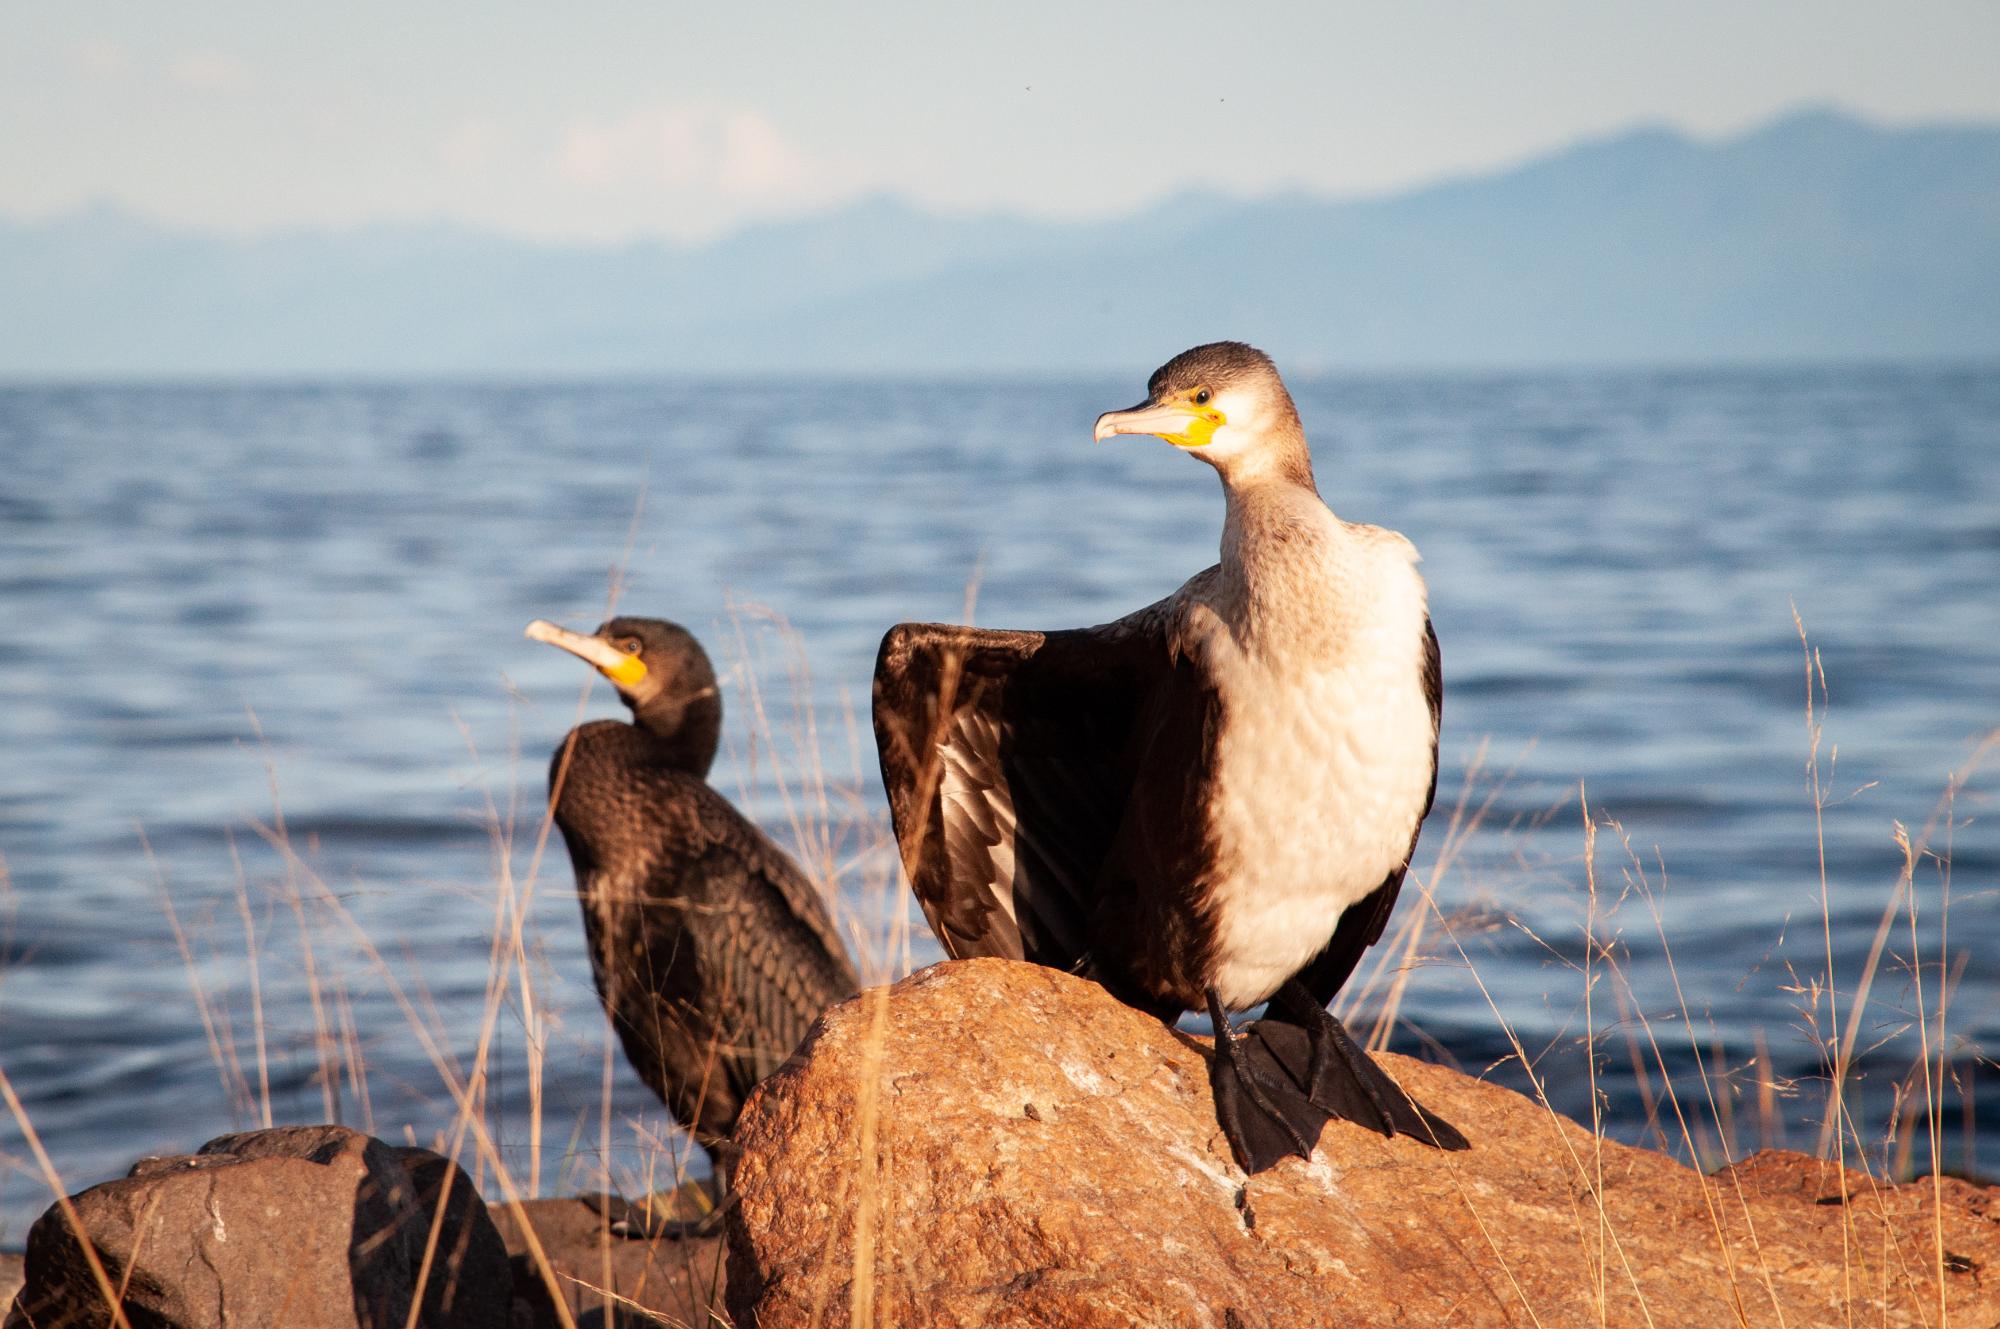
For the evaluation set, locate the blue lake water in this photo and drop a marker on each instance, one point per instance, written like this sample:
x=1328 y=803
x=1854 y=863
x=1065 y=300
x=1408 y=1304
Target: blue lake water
x=212 y=595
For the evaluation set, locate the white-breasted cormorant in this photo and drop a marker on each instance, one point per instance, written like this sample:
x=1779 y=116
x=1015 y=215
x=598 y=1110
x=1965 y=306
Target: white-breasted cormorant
x=712 y=953
x=1209 y=803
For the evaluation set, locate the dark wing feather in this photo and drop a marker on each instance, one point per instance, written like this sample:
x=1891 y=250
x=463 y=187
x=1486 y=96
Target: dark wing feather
x=1009 y=760
x=1362 y=924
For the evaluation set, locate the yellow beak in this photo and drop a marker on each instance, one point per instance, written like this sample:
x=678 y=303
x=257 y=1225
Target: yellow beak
x=1181 y=424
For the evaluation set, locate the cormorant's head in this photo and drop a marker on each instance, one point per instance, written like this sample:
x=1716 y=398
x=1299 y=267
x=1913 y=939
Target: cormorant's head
x=1225 y=403
x=660 y=671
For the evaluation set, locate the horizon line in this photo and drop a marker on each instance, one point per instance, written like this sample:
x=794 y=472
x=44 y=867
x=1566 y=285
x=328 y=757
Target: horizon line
x=10 y=382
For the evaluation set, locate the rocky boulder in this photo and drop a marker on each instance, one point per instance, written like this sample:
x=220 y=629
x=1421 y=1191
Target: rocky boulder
x=304 y=1226
x=995 y=1143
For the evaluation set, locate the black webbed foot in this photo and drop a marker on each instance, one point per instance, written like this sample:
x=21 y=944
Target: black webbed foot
x=1338 y=1076
x=1257 y=1103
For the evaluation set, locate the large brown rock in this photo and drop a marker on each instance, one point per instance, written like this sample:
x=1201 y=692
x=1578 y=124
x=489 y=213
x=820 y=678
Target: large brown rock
x=995 y=1143
x=303 y=1226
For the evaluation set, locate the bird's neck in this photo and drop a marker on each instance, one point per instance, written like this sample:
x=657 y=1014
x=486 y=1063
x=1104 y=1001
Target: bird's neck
x=1269 y=511
x=1279 y=458
x=682 y=735
x=1270 y=493
x=1280 y=542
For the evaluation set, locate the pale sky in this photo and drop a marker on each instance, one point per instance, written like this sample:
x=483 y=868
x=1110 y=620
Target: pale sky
x=620 y=119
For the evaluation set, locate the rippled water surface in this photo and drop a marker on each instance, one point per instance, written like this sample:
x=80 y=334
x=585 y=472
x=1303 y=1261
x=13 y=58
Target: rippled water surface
x=240 y=617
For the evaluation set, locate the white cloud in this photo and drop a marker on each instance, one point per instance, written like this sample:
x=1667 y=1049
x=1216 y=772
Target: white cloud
x=736 y=153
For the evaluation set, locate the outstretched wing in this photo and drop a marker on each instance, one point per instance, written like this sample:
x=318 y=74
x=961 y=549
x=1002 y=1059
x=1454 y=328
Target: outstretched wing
x=1009 y=762
x=1362 y=924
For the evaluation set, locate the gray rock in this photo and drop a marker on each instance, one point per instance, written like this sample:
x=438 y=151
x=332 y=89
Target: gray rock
x=304 y=1226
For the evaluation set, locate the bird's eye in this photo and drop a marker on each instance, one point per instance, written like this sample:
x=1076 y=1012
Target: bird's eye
x=630 y=646
x=1201 y=397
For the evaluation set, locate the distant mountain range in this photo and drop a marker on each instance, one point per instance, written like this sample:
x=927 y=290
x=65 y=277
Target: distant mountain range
x=1818 y=236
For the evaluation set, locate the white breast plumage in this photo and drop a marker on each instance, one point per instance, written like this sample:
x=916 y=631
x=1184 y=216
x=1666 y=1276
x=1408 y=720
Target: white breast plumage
x=1325 y=754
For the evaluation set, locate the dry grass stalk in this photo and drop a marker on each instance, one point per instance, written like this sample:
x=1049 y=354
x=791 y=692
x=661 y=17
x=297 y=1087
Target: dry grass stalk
x=114 y=1298
x=1837 y=1102
x=844 y=845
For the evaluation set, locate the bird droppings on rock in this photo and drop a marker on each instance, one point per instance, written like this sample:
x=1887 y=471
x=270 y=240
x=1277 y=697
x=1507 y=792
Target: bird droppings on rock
x=1099 y=1223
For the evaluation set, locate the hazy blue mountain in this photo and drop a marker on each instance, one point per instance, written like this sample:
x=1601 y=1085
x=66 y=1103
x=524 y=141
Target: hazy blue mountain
x=1817 y=236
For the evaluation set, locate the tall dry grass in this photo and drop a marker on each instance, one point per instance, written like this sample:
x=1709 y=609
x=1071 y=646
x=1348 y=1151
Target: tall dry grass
x=1698 y=1102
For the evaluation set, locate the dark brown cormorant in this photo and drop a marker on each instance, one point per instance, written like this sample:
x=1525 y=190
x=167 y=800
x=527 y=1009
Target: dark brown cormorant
x=711 y=951
x=1209 y=803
